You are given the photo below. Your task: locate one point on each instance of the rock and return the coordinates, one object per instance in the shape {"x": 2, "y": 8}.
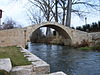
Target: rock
{"x": 5, "y": 64}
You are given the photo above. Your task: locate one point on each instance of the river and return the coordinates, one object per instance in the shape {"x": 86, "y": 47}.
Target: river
{"x": 67, "y": 59}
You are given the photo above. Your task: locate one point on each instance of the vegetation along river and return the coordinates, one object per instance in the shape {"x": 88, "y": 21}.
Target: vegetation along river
{"x": 68, "y": 60}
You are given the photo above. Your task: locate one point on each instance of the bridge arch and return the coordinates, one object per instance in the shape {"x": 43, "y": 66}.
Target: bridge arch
{"x": 62, "y": 30}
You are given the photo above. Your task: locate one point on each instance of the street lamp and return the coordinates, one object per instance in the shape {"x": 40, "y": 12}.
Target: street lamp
{"x": 85, "y": 20}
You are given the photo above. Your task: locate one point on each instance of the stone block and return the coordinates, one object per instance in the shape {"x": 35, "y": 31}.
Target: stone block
{"x": 22, "y": 70}
{"x": 41, "y": 67}
{"x": 58, "y": 73}
{"x": 5, "y": 64}
{"x": 33, "y": 58}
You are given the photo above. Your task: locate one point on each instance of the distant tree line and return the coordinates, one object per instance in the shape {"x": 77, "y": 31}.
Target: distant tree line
{"x": 9, "y": 24}
{"x": 94, "y": 27}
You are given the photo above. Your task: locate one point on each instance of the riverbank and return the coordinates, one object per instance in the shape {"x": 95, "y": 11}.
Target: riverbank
{"x": 19, "y": 61}
{"x": 93, "y": 48}
{"x": 55, "y": 40}
{"x": 17, "y": 58}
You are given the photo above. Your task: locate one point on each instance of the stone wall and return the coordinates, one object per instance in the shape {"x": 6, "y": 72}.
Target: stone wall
{"x": 80, "y": 37}
{"x": 95, "y": 37}
{"x": 12, "y": 37}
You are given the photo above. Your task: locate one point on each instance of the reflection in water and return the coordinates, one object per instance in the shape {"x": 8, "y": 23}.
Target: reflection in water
{"x": 68, "y": 60}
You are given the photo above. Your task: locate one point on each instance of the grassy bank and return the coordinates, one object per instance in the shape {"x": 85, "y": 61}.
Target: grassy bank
{"x": 94, "y": 48}
{"x": 17, "y": 58}
{"x": 85, "y": 48}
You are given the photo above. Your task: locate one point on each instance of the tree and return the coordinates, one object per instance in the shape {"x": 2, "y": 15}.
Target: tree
{"x": 44, "y": 6}
{"x": 37, "y": 35}
{"x": 94, "y": 27}
{"x": 56, "y": 10}
{"x": 63, "y": 6}
{"x": 34, "y": 16}
{"x": 68, "y": 16}
{"x": 10, "y": 24}
{"x": 60, "y": 10}
{"x": 79, "y": 28}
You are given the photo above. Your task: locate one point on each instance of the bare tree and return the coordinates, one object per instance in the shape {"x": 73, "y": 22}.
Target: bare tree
{"x": 44, "y": 6}
{"x": 35, "y": 17}
{"x": 56, "y": 10}
{"x": 50, "y": 9}
{"x": 68, "y": 16}
{"x": 9, "y": 23}
{"x": 0, "y": 27}
{"x": 63, "y": 7}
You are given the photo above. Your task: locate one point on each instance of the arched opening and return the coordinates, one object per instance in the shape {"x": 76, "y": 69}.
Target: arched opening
{"x": 64, "y": 38}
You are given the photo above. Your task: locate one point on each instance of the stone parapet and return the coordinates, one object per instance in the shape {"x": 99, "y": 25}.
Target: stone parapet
{"x": 12, "y": 37}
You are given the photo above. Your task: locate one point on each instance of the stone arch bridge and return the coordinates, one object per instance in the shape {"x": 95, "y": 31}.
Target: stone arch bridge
{"x": 72, "y": 36}
{"x": 21, "y": 36}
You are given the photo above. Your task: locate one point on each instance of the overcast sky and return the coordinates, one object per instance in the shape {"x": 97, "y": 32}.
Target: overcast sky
{"x": 17, "y": 11}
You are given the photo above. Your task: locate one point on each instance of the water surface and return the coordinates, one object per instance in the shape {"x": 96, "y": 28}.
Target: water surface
{"x": 68, "y": 60}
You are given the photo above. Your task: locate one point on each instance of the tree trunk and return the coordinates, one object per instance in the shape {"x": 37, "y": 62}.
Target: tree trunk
{"x": 56, "y": 10}
{"x": 63, "y": 20}
{"x": 48, "y": 31}
{"x": 68, "y": 16}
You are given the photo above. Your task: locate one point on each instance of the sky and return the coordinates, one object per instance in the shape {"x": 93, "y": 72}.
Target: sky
{"x": 17, "y": 11}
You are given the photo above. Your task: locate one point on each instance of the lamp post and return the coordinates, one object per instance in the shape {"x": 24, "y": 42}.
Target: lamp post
{"x": 85, "y": 20}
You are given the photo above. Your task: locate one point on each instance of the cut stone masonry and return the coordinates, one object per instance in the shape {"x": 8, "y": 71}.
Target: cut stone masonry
{"x": 38, "y": 66}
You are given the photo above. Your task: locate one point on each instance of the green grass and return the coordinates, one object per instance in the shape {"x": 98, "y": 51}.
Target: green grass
{"x": 85, "y": 48}
{"x": 96, "y": 47}
{"x": 17, "y": 58}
